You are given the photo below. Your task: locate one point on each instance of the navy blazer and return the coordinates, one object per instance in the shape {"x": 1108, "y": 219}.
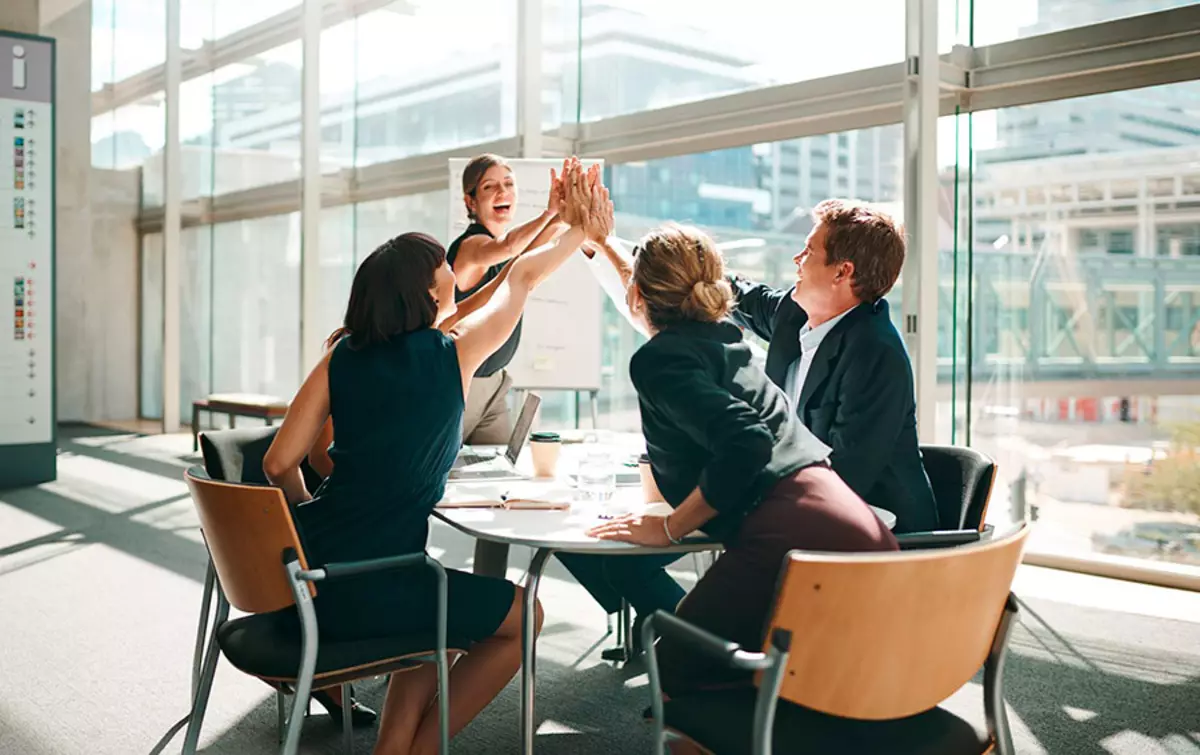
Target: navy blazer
{"x": 858, "y": 397}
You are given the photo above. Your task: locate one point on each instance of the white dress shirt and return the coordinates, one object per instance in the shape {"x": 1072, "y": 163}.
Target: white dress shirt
{"x": 810, "y": 341}
{"x": 610, "y": 282}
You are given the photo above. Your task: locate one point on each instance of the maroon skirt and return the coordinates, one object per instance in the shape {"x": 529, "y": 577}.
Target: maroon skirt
{"x": 811, "y": 510}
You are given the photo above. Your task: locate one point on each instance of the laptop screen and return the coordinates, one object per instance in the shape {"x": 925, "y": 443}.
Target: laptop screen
{"x": 522, "y": 427}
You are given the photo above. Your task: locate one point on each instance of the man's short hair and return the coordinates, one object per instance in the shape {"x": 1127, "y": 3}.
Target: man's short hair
{"x": 866, "y": 236}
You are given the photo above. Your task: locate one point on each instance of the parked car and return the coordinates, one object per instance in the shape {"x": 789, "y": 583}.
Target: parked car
{"x": 1167, "y": 541}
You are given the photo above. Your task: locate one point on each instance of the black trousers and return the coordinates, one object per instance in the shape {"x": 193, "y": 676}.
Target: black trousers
{"x": 641, "y": 580}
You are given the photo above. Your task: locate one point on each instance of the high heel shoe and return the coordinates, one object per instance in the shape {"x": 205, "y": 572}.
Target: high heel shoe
{"x": 360, "y": 715}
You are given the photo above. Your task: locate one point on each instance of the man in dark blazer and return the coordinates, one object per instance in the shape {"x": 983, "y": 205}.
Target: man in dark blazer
{"x": 834, "y": 351}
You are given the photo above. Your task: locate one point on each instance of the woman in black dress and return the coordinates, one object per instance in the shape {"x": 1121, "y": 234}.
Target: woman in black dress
{"x": 394, "y": 385}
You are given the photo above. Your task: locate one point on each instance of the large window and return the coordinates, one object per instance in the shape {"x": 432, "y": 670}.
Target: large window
{"x": 755, "y": 202}
{"x": 1068, "y": 232}
{"x": 609, "y": 58}
{"x": 1002, "y": 20}
{"x": 128, "y": 37}
{"x": 256, "y": 306}
{"x": 1085, "y": 338}
{"x": 205, "y": 20}
{"x": 415, "y": 77}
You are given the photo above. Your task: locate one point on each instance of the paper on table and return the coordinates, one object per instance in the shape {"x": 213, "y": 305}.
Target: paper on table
{"x": 515, "y": 495}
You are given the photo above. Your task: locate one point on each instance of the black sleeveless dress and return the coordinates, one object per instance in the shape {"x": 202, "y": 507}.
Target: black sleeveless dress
{"x": 503, "y": 355}
{"x": 397, "y": 415}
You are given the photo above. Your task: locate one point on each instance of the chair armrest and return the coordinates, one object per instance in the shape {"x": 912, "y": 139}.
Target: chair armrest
{"x": 341, "y": 569}
{"x": 773, "y": 664}
{"x": 670, "y": 625}
{"x": 937, "y": 539}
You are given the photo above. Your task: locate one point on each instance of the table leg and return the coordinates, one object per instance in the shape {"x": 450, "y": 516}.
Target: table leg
{"x": 491, "y": 559}
{"x": 529, "y": 647}
{"x": 195, "y": 428}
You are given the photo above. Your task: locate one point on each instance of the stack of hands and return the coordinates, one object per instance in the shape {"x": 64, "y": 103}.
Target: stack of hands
{"x": 580, "y": 200}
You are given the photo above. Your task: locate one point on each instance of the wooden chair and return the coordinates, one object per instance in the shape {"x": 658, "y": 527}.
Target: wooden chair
{"x": 235, "y": 455}
{"x": 261, "y": 570}
{"x": 878, "y": 642}
{"x": 962, "y": 479}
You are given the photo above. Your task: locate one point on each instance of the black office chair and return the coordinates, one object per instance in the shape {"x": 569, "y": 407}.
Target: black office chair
{"x": 962, "y": 480}
{"x": 237, "y": 456}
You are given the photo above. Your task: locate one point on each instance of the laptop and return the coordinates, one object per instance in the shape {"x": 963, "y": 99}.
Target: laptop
{"x": 484, "y": 463}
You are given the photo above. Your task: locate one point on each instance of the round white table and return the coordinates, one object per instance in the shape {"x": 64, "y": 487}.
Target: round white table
{"x": 550, "y": 531}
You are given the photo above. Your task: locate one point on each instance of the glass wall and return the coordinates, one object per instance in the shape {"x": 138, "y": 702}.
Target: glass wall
{"x": 1068, "y": 232}
{"x": 1083, "y": 277}
{"x": 611, "y": 58}
{"x": 128, "y": 37}
{"x": 755, "y": 202}
{"x": 415, "y": 77}
{"x": 1003, "y": 20}
{"x": 256, "y": 306}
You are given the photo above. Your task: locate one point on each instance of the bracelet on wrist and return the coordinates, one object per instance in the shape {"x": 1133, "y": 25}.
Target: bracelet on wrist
{"x": 670, "y": 538}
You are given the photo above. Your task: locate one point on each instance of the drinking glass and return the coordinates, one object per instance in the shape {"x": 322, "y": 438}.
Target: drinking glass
{"x": 597, "y": 476}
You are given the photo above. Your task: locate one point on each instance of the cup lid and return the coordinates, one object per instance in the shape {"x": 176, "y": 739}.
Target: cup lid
{"x": 544, "y": 436}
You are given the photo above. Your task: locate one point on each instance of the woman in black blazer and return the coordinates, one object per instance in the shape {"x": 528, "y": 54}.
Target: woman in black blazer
{"x": 726, "y": 451}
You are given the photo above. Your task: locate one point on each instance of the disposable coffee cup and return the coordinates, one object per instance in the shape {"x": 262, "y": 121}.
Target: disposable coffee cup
{"x": 649, "y": 488}
{"x": 544, "y": 447}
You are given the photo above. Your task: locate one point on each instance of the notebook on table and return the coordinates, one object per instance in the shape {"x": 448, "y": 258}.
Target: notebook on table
{"x": 507, "y": 496}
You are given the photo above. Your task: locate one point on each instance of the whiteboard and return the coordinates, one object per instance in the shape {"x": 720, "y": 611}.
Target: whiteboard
{"x": 560, "y": 336}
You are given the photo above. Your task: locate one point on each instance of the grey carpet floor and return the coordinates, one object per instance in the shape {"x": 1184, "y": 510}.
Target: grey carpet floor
{"x": 100, "y": 580}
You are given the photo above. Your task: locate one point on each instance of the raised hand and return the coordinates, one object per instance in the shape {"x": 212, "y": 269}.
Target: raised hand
{"x": 598, "y": 223}
{"x": 577, "y": 198}
{"x": 554, "y": 203}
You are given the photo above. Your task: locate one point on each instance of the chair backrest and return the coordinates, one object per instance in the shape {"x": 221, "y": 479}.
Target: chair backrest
{"x": 247, "y": 528}
{"x": 962, "y": 480}
{"x": 236, "y": 455}
{"x": 881, "y": 636}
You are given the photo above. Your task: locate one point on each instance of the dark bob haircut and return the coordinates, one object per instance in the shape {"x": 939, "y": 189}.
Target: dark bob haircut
{"x": 390, "y": 294}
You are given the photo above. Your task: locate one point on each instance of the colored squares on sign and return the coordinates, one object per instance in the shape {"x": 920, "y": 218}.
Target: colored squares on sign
{"x": 19, "y": 118}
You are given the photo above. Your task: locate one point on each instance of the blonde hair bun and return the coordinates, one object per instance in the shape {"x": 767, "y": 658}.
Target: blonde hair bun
{"x": 708, "y": 301}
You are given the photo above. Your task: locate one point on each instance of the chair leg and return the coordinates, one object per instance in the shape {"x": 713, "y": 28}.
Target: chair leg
{"x": 623, "y": 651}
{"x": 308, "y": 658}
{"x": 347, "y": 733}
{"x": 204, "y": 686}
{"x": 202, "y": 628}
{"x": 993, "y": 682}
{"x": 627, "y": 628}
{"x": 280, "y": 713}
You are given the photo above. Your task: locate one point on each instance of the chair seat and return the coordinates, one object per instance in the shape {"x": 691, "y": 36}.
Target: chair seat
{"x": 722, "y": 722}
{"x": 268, "y": 646}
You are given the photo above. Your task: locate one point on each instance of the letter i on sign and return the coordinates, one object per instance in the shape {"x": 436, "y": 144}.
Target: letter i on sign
{"x": 18, "y": 67}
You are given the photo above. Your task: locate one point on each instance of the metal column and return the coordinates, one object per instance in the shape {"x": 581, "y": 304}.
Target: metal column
{"x": 310, "y": 187}
{"x": 920, "y": 300}
{"x": 172, "y": 198}
{"x": 529, "y": 77}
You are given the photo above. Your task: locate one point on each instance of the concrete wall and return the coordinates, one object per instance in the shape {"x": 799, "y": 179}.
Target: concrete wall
{"x": 19, "y": 15}
{"x": 97, "y": 247}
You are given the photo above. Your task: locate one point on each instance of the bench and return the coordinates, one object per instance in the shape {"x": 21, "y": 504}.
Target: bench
{"x": 267, "y": 408}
